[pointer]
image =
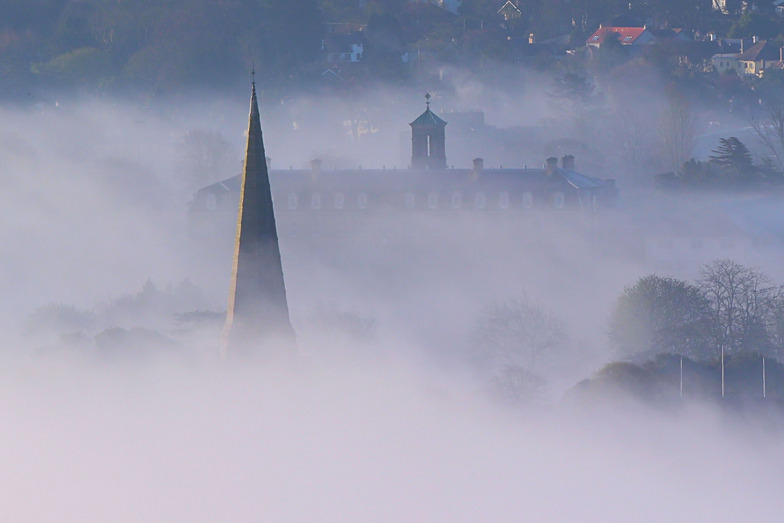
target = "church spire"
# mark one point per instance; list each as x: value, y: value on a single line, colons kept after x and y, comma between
x: 258, y: 315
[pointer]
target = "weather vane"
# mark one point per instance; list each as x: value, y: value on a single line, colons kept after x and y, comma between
x: 427, y: 100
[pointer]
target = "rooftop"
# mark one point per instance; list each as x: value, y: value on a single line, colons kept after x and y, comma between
x: 762, y: 50
x: 428, y: 118
x: 626, y: 35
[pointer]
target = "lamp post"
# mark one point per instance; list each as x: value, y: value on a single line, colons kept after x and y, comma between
x: 722, y: 370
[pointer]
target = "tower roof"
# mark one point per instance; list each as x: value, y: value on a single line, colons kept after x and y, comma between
x: 258, y: 311
x: 428, y: 118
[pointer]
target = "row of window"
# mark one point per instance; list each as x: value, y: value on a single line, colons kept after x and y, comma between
x: 432, y: 201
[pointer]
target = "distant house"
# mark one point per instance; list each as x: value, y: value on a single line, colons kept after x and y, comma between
x: 759, y: 57
x: 343, y: 48
x: 510, y: 11
x: 721, y: 6
x: 726, y: 62
x: 779, y: 5
x: 449, y: 5
x: 632, y: 36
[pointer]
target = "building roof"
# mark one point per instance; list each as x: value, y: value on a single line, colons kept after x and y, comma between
x: 671, y: 33
x: 428, y: 118
x: 626, y: 35
x: 508, y: 8
x: 762, y: 50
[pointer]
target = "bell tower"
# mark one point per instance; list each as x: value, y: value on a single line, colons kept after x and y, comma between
x: 428, y: 140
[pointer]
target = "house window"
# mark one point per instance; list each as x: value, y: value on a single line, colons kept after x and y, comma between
x: 558, y: 200
x: 339, y: 200
x: 410, y: 200
x: 362, y: 200
x: 432, y: 200
x: 528, y: 200
x: 479, y: 200
x: 315, y: 200
x: 503, y: 200
x: 293, y: 201
x: 457, y: 200
x: 211, y: 203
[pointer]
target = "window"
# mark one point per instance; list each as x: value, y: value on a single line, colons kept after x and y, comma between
x: 315, y: 200
x: 457, y: 200
x: 503, y: 200
x: 558, y: 200
x: 432, y: 200
x: 479, y: 200
x: 362, y: 200
x: 339, y: 200
x: 528, y: 200
x: 410, y: 200
x: 293, y: 201
x: 428, y: 146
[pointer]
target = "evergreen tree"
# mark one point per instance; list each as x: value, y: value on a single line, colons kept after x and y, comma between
x: 733, y: 154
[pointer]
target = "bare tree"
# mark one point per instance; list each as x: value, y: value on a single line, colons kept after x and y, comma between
x: 775, y: 323
x: 770, y: 132
x: 677, y: 130
x: 517, y: 385
x: 518, y: 332
x: 741, y: 300
x: 206, y: 156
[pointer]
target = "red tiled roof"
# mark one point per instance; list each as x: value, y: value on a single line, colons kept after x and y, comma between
x: 626, y: 35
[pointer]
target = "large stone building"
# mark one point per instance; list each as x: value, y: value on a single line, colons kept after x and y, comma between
x: 318, y: 204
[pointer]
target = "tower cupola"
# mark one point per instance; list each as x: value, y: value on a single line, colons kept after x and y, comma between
x: 428, y: 140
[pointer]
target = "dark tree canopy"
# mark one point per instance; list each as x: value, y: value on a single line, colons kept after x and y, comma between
x: 660, y: 314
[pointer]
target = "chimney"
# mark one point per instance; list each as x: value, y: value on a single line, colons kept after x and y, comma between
x: 315, y: 166
x: 479, y: 165
x: 781, y: 54
x: 754, y: 39
x: 567, y: 162
x: 552, y: 165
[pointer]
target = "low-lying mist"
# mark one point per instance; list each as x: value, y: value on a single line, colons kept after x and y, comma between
x: 357, y: 439
x: 118, y: 407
